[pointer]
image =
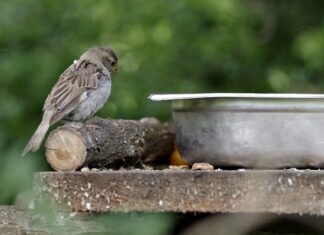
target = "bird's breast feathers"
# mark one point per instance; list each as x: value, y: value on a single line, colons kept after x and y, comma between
x: 91, y: 101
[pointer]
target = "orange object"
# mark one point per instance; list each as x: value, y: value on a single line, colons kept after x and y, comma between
x: 176, y: 158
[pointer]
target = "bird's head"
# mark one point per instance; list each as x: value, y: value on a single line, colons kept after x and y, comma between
x: 107, y: 57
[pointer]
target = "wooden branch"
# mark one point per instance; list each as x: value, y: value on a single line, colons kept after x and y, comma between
x: 274, y: 191
x: 108, y: 143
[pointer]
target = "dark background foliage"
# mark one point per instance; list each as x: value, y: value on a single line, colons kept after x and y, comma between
x: 163, y: 46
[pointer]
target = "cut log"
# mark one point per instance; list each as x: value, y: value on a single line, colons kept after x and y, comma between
x: 108, y: 143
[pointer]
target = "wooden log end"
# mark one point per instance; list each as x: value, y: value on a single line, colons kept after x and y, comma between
x: 65, y: 149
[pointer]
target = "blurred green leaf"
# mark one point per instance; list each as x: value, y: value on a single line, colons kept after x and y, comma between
x: 163, y: 46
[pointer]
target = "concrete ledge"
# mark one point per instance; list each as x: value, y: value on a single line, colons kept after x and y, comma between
x: 274, y: 191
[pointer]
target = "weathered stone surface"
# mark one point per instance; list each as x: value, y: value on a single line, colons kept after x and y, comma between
x: 276, y: 191
x: 18, y: 221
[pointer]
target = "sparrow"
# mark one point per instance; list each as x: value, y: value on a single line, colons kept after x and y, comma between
x: 81, y: 90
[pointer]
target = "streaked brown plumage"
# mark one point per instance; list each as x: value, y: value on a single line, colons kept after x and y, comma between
x: 80, y: 92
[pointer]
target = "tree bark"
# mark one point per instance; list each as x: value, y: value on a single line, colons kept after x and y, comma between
x: 108, y: 143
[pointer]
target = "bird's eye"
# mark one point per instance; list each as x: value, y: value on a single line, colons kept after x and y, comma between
x: 112, y: 63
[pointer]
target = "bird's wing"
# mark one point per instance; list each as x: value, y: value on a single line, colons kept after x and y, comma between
x: 72, y: 84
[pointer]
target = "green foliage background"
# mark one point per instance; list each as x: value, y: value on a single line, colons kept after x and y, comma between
x: 163, y: 46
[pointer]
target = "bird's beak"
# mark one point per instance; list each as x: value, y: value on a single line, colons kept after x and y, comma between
x: 115, y: 69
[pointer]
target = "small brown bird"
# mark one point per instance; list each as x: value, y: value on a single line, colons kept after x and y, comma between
x: 82, y: 89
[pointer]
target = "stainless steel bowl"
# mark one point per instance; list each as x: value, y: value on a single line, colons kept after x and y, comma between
x: 249, y: 130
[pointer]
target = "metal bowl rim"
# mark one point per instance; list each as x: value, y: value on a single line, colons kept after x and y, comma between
x: 170, y: 97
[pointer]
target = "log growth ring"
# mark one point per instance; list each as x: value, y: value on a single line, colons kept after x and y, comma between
x: 65, y: 149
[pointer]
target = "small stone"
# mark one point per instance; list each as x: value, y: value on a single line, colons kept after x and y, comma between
x: 202, y: 166
x: 178, y: 167
x: 85, y: 169
x: 241, y: 170
x: 147, y: 167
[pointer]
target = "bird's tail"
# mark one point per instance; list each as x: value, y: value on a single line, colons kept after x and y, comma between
x: 37, y: 138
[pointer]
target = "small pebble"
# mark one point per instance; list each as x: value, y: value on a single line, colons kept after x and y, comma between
x: 178, y: 167
x: 242, y: 169
x: 85, y: 169
x: 202, y: 166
